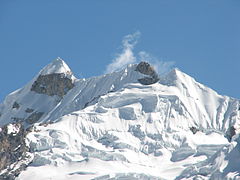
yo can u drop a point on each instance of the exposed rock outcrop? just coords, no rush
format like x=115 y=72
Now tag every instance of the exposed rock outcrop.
x=29 y=110
x=13 y=151
x=230 y=133
x=17 y=119
x=15 y=105
x=52 y=84
x=146 y=69
x=34 y=117
x=136 y=131
x=194 y=130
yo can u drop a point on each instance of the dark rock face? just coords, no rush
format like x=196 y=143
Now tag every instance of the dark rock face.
x=194 y=130
x=147 y=69
x=52 y=84
x=147 y=81
x=230 y=133
x=34 y=117
x=108 y=140
x=29 y=110
x=13 y=151
x=16 y=105
x=17 y=119
x=137 y=132
x=31 y=119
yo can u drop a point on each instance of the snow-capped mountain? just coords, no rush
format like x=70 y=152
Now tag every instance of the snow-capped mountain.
x=130 y=124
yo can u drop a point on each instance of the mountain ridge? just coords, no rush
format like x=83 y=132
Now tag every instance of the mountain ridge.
x=131 y=118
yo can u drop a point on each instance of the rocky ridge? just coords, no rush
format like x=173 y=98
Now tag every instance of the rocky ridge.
x=14 y=152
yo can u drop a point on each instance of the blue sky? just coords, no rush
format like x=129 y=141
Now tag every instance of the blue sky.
x=201 y=37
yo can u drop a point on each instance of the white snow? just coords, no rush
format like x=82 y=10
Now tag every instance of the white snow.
x=57 y=66
x=114 y=127
x=13 y=129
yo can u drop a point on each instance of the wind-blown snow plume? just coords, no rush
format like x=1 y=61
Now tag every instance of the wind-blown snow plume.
x=161 y=67
x=127 y=55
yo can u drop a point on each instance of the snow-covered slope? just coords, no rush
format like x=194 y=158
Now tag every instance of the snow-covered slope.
x=116 y=127
x=22 y=103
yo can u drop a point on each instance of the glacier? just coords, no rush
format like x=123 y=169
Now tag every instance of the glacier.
x=129 y=124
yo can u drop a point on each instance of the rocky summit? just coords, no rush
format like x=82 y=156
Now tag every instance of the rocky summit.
x=130 y=124
x=147 y=69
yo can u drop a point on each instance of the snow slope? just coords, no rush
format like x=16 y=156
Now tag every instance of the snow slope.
x=57 y=66
x=113 y=127
x=28 y=101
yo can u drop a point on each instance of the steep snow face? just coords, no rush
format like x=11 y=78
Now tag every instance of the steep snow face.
x=207 y=108
x=112 y=126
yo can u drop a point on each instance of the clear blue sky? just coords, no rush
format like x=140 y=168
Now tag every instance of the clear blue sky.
x=201 y=37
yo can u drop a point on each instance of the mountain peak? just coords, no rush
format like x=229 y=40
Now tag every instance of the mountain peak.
x=146 y=69
x=173 y=76
x=55 y=79
x=174 y=129
x=57 y=66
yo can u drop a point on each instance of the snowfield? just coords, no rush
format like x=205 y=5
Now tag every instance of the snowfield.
x=113 y=127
